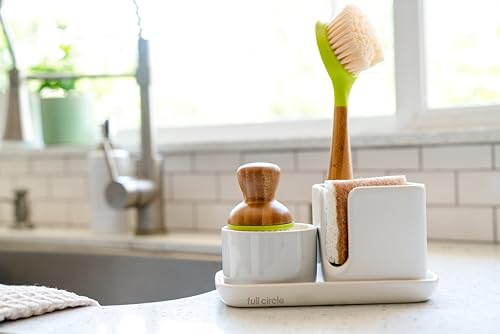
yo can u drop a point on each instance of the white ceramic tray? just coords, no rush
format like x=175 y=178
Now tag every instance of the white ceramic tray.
x=326 y=293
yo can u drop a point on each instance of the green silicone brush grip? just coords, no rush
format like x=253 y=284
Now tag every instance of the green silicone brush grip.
x=341 y=79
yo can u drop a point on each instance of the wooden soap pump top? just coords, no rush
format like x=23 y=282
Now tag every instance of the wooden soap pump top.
x=258 y=182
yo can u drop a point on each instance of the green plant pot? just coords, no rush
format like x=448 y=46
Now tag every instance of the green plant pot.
x=68 y=120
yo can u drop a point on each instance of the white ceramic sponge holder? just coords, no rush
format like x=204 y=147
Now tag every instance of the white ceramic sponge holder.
x=386 y=262
x=387 y=236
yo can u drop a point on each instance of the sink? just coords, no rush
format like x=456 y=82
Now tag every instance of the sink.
x=111 y=279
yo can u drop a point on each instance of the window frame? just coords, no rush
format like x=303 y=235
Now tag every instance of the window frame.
x=412 y=111
x=412 y=108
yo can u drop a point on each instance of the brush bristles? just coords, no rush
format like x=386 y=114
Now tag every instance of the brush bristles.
x=353 y=40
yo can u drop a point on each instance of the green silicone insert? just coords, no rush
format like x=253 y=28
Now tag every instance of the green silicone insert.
x=261 y=227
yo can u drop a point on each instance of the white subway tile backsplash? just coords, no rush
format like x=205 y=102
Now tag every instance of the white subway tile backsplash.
x=179 y=216
x=497 y=156
x=167 y=187
x=52 y=166
x=177 y=163
x=212 y=216
x=200 y=189
x=301 y=213
x=79 y=214
x=439 y=186
x=479 y=188
x=313 y=161
x=6 y=186
x=50 y=213
x=77 y=166
x=194 y=187
x=38 y=187
x=363 y=173
x=13 y=166
x=229 y=188
x=497 y=228
x=297 y=186
x=457 y=157
x=6 y=213
x=285 y=160
x=69 y=187
x=215 y=162
x=385 y=159
x=460 y=223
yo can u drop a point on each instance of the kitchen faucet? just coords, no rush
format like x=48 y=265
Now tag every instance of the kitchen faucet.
x=143 y=191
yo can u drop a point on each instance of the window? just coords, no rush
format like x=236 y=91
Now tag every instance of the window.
x=256 y=62
x=463 y=53
x=233 y=62
x=102 y=36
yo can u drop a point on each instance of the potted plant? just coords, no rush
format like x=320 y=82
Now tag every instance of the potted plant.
x=66 y=115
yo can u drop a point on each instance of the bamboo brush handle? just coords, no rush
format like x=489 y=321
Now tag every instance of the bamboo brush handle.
x=340 y=167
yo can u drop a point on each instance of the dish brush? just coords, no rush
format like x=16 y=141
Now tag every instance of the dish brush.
x=348 y=45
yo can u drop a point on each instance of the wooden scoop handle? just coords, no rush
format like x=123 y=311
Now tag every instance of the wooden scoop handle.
x=258 y=182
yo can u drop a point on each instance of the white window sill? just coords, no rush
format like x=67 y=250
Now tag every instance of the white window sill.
x=313 y=135
x=303 y=135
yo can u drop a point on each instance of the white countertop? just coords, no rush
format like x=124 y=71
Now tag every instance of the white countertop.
x=467 y=300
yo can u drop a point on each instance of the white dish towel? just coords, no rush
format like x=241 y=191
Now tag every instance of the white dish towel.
x=23 y=301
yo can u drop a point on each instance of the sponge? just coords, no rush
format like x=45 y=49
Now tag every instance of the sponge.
x=336 y=212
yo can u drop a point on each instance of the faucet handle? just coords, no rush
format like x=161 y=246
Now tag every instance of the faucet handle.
x=105 y=129
x=126 y=191
x=108 y=151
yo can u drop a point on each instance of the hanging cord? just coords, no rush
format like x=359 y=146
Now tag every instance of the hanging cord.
x=138 y=15
x=8 y=39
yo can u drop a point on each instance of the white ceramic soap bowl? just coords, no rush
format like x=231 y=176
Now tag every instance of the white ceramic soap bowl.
x=250 y=257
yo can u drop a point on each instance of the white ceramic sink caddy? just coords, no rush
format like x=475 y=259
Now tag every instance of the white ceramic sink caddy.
x=387 y=255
